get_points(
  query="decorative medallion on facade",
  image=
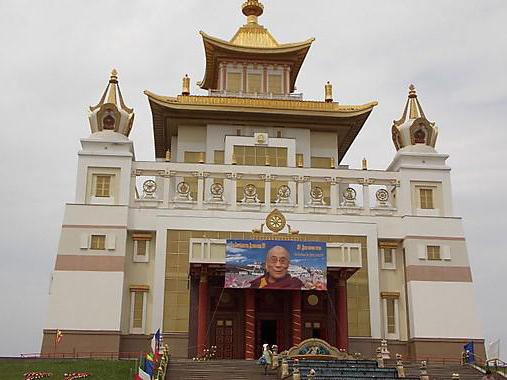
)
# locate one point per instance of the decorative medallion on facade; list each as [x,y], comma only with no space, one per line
[283,194]
[349,197]
[276,221]
[250,194]
[317,196]
[149,188]
[217,192]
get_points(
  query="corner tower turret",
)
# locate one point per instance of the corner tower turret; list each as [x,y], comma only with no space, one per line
[413,128]
[111,113]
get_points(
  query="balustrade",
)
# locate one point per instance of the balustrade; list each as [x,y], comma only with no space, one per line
[254,188]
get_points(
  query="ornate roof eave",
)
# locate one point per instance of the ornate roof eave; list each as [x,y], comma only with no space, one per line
[168,112]
[294,53]
[260,105]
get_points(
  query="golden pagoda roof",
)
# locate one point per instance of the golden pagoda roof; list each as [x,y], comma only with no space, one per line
[330,108]
[252,42]
[170,112]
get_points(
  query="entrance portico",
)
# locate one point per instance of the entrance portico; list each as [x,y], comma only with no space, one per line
[239,321]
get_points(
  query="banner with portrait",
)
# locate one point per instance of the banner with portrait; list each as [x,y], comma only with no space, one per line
[276,264]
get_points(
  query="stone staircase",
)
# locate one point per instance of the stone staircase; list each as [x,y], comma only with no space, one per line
[345,370]
[439,371]
[183,369]
[216,370]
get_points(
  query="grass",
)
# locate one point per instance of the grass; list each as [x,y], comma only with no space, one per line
[13,369]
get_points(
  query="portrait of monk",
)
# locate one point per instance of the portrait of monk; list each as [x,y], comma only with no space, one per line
[276,269]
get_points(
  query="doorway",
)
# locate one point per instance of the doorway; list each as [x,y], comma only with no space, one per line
[268,332]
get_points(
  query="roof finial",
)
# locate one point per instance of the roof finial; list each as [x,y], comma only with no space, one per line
[114,76]
[411,92]
[252,9]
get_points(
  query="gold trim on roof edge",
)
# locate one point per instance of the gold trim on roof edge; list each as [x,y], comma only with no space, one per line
[280,48]
[296,105]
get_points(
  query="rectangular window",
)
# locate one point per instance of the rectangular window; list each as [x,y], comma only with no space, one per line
[260,156]
[194,157]
[141,247]
[254,83]
[219,157]
[391,315]
[234,82]
[138,301]
[426,196]
[433,252]
[321,162]
[103,186]
[137,320]
[388,255]
[275,84]
[98,242]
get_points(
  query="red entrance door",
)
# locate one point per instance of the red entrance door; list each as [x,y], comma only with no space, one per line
[224,333]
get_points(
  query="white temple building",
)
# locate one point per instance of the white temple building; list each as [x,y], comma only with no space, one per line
[142,245]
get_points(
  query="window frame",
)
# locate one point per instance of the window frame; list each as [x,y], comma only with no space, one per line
[99,247]
[433,257]
[388,265]
[133,291]
[228,77]
[424,202]
[396,308]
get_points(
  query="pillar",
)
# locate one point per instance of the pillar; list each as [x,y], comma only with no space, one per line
[296,317]
[342,323]
[202,312]
[249,324]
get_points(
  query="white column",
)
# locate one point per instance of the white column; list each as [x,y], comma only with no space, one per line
[200,188]
[301,193]
[267,191]
[333,194]
[373,282]
[366,195]
[159,279]
[230,188]
[166,182]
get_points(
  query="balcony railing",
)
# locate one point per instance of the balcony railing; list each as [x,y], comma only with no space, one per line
[256,95]
[257,188]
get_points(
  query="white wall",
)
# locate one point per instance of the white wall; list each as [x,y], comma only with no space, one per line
[85,301]
[443,309]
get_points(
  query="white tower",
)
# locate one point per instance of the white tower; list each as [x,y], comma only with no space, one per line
[441,302]
[87,284]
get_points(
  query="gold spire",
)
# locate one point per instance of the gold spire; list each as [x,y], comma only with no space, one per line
[413,127]
[252,34]
[413,109]
[114,76]
[252,9]
[329,92]
[186,86]
[111,112]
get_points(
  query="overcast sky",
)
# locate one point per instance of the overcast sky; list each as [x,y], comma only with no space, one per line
[55,60]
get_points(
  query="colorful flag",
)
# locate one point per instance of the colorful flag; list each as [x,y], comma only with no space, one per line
[155,344]
[469,349]
[149,364]
[58,336]
[141,375]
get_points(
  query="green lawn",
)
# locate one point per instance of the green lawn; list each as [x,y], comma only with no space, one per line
[13,369]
